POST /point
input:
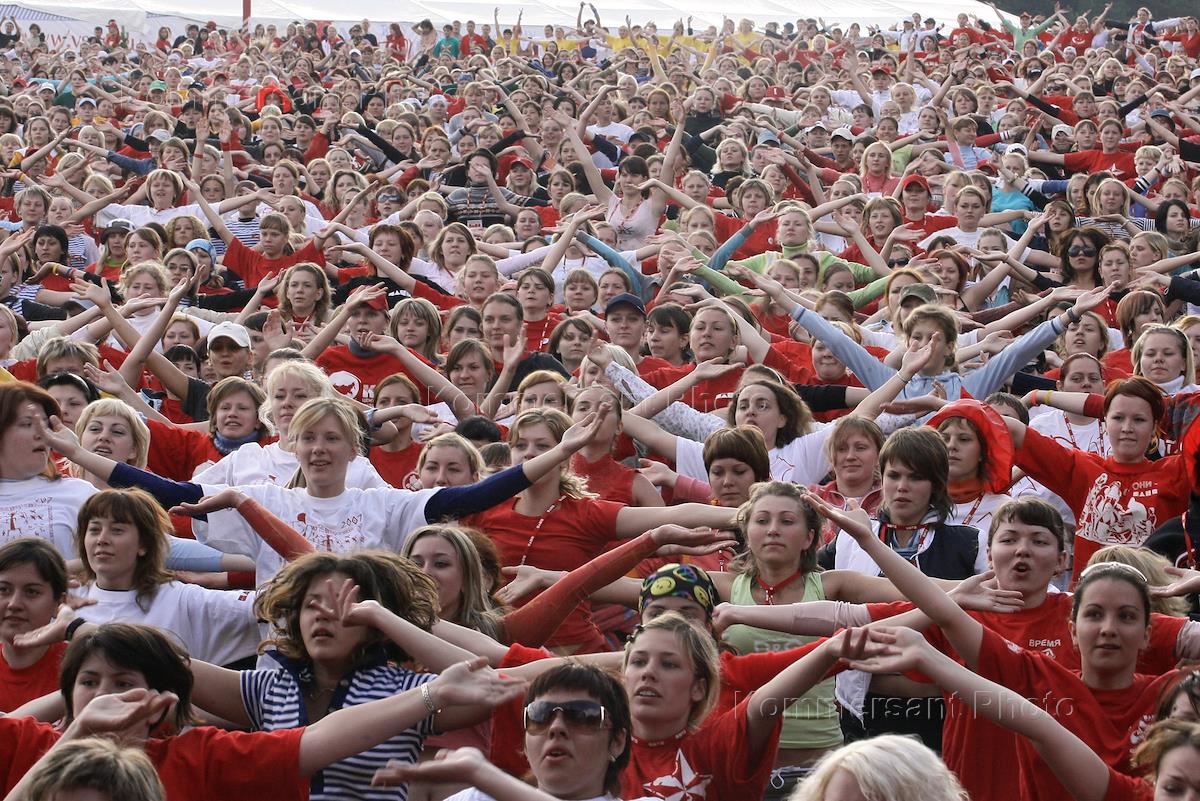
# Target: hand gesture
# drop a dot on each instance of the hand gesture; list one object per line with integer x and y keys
{"x": 109, "y": 714}
{"x": 657, "y": 473}
{"x": 474, "y": 684}
{"x": 1093, "y": 298}
{"x": 56, "y": 629}
{"x": 713, "y": 368}
{"x": 981, "y": 592}
{"x": 364, "y": 294}
{"x": 585, "y": 430}
{"x": 724, "y": 616}
{"x": 676, "y": 540}
{"x": 107, "y": 380}
{"x": 1187, "y": 583}
{"x": 892, "y": 650}
{"x": 525, "y": 581}
{"x": 449, "y": 766}
{"x": 228, "y": 498}
{"x": 58, "y": 436}
{"x": 346, "y": 608}
{"x": 855, "y": 523}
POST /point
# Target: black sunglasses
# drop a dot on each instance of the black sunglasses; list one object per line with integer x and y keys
{"x": 575, "y": 714}
{"x": 1081, "y": 251}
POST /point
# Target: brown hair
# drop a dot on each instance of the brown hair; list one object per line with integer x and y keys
{"x": 13, "y": 396}
{"x": 136, "y": 508}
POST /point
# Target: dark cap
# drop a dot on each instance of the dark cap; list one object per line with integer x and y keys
{"x": 625, "y": 297}
{"x": 923, "y": 292}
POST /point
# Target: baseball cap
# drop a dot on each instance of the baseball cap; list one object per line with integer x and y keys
{"x": 844, "y": 133}
{"x": 160, "y": 85}
{"x": 776, "y": 93}
{"x": 915, "y": 180}
{"x": 766, "y": 137}
{"x": 922, "y": 292}
{"x": 1161, "y": 112}
{"x": 884, "y": 68}
{"x": 625, "y": 297}
{"x": 1062, "y": 129}
{"x": 119, "y": 226}
{"x": 1195, "y": 74}
{"x": 87, "y": 101}
{"x": 814, "y": 127}
{"x": 524, "y": 161}
{"x": 1016, "y": 147}
{"x": 161, "y": 134}
{"x": 227, "y": 330}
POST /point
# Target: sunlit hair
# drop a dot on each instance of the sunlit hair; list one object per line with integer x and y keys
{"x": 557, "y": 422}
{"x": 698, "y": 647}
{"x": 111, "y": 407}
{"x": 746, "y": 561}
{"x": 228, "y": 387}
{"x": 1151, "y": 565}
{"x": 1161, "y": 739}
{"x": 97, "y": 764}
{"x": 1181, "y": 342}
{"x": 132, "y": 507}
{"x": 476, "y": 608}
{"x": 452, "y": 440}
{"x": 889, "y": 767}
{"x": 423, "y": 310}
{"x": 392, "y": 580}
{"x": 348, "y": 418}
{"x": 315, "y": 380}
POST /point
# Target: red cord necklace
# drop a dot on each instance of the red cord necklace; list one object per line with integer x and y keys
{"x": 770, "y": 590}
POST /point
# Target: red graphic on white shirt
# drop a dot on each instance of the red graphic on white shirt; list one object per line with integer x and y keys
{"x": 32, "y": 518}
{"x": 1104, "y": 518}
{"x": 338, "y": 538}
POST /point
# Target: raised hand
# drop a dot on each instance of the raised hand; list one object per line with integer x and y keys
{"x": 474, "y": 683}
{"x": 228, "y": 498}
{"x": 108, "y": 714}
{"x": 981, "y": 592}
{"x": 526, "y": 580}
{"x": 583, "y": 432}
{"x": 107, "y": 380}
{"x": 346, "y": 608}
{"x": 855, "y": 523}
{"x": 449, "y": 766}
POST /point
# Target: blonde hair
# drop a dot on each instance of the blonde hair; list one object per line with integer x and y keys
{"x": 558, "y": 422}
{"x": 95, "y": 763}
{"x": 1181, "y": 339}
{"x": 453, "y": 440}
{"x": 113, "y": 407}
{"x": 887, "y": 768}
{"x": 1153, "y": 566}
{"x": 701, "y": 651}
{"x": 348, "y": 418}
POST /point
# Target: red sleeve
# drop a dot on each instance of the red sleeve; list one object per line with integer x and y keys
{"x": 743, "y": 674}
{"x": 310, "y": 252}
{"x": 317, "y": 148}
{"x": 1127, "y": 788}
{"x": 600, "y": 518}
{"x": 442, "y": 301}
{"x": 1063, "y": 470}
{"x": 1160, "y": 657}
{"x": 1094, "y": 406}
{"x": 884, "y": 611}
{"x": 22, "y": 743}
{"x": 283, "y": 539}
{"x": 213, "y": 763}
{"x": 507, "y": 743}
{"x": 1077, "y": 162}
{"x": 168, "y": 451}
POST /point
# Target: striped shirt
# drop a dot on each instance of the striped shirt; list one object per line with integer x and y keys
{"x": 274, "y": 700}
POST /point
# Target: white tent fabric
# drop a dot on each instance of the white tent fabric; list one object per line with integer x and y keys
{"x": 142, "y": 18}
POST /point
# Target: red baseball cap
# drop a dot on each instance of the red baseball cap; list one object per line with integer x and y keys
{"x": 776, "y": 93}
{"x": 379, "y": 303}
{"x": 915, "y": 180}
{"x": 524, "y": 161}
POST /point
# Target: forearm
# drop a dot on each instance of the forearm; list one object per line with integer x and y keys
{"x": 352, "y": 730}
{"x": 496, "y": 488}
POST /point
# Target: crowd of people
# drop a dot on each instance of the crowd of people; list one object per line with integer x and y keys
{"x": 598, "y": 411}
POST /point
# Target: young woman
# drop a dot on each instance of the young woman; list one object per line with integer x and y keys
{"x": 131, "y": 682}
{"x": 608, "y": 479}
{"x": 122, "y": 543}
{"x": 33, "y": 583}
{"x": 1120, "y": 498}
{"x": 980, "y": 459}
{"x": 1109, "y": 701}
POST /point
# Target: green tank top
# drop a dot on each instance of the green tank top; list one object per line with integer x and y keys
{"x": 812, "y": 720}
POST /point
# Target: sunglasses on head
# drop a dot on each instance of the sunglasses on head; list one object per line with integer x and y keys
{"x": 576, "y": 714}
{"x": 1081, "y": 251}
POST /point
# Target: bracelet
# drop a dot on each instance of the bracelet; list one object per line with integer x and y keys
{"x": 1072, "y": 316}
{"x": 73, "y": 627}
{"x": 427, "y": 697}
{"x": 1046, "y": 397}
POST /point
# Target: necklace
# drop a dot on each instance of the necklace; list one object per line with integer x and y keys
{"x": 317, "y": 691}
{"x": 538, "y": 527}
{"x": 770, "y": 590}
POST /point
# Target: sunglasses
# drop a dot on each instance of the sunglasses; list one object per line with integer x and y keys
{"x": 1081, "y": 251}
{"x": 575, "y": 714}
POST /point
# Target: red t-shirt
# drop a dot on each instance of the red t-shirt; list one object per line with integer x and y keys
{"x": 21, "y": 685}
{"x": 252, "y": 266}
{"x": 1043, "y": 629}
{"x": 537, "y": 334}
{"x": 1120, "y": 164}
{"x": 1111, "y": 722}
{"x": 176, "y": 452}
{"x": 1080, "y": 40}
{"x": 714, "y": 762}
{"x": 396, "y": 467}
{"x": 568, "y": 536}
{"x": 932, "y": 223}
{"x": 1114, "y": 503}
{"x": 706, "y": 396}
{"x": 761, "y": 239}
{"x": 608, "y": 478}
{"x": 198, "y": 765}
{"x": 356, "y": 377}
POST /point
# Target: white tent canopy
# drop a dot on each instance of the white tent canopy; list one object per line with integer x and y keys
{"x": 142, "y": 18}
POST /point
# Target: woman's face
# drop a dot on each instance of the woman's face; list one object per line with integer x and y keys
{"x": 532, "y": 440}
{"x": 731, "y": 480}
{"x": 569, "y": 758}
{"x": 777, "y": 532}
{"x": 48, "y": 248}
{"x": 162, "y": 191}
{"x": 880, "y": 222}
{"x": 445, "y": 466}
{"x": 1177, "y": 221}
{"x": 611, "y": 285}
{"x": 878, "y": 160}
{"x": 464, "y": 327}
{"x": 1110, "y": 629}
{"x": 969, "y": 210}
{"x": 535, "y": 297}
{"x": 412, "y": 331}
{"x": 573, "y": 344}
{"x": 1114, "y": 268}
{"x": 112, "y": 548}
{"x": 1111, "y": 198}
{"x": 945, "y": 270}
{"x": 826, "y": 364}
{"x": 696, "y": 187}
{"x": 1025, "y": 557}
{"x": 579, "y": 295}
{"x": 500, "y": 322}
{"x": 438, "y": 559}
{"x": 325, "y": 451}
{"x": 548, "y": 393}
{"x": 71, "y": 402}
{"x": 667, "y": 341}
{"x": 23, "y": 449}
{"x": 303, "y": 292}
{"x": 1130, "y": 427}
{"x": 758, "y": 407}
{"x": 287, "y": 397}
{"x": 327, "y": 641}
{"x": 97, "y": 676}
{"x": 1179, "y": 768}
{"x": 138, "y": 250}
{"x": 660, "y": 679}
{"x": 455, "y": 248}
{"x": 855, "y": 461}
{"x": 712, "y": 335}
{"x": 1162, "y": 358}
{"x": 792, "y": 229}
{"x": 905, "y": 492}
{"x": 237, "y": 415}
{"x": 964, "y": 449}
{"x": 470, "y": 374}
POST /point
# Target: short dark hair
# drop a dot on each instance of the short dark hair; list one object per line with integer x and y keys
{"x": 1031, "y": 511}
{"x": 922, "y": 451}
{"x": 478, "y": 428}
{"x": 44, "y": 558}
{"x": 164, "y": 664}
{"x": 605, "y": 689}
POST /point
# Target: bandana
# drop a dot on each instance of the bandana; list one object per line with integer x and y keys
{"x": 679, "y": 581}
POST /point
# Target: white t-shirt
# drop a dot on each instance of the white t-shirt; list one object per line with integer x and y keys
{"x": 41, "y": 507}
{"x": 217, "y": 626}
{"x": 978, "y": 515}
{"x": 254, "y": 464}
{"x": 354, "y": 520}
{"x": 801, "y": 461}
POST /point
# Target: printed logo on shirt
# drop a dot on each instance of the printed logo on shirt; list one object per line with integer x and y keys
{"x": 346, "y": 383}
{"x": 1105, "y": 519}
{"x": 30, "y": 518}
{"x": 683, "y": 784}
{"x": 339, "y": 538}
